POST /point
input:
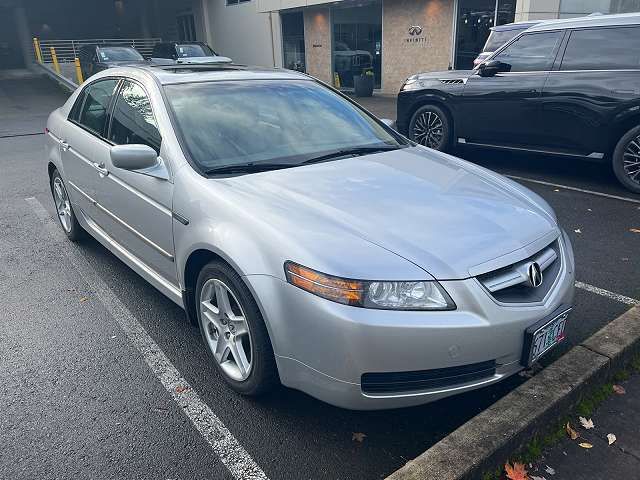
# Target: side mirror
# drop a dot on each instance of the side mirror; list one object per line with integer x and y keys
{"x": 133, "y": 157}
{"x": 389, "y": 123}
{"x": 490, "y": 68}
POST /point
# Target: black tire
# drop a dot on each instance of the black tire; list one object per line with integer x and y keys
{"x": 263, "y": 375}
{"x": 440, "y": 128}
{"x": 72, "y": 229}
{"x": 628, "y": 148}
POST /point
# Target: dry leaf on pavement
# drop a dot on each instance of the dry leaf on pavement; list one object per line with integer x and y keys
{"x": 634, "y": 230}
{"x": 577, "y": 230}
{"x": 181, "y": 388}
{"x": 516, "y": 471}
{"x": 549, "y": 470}
{"x": 83, "y": 299}
{"x": 534, "y": 477}
{"x": 586, "y": 423}
{"x": 571, "y": 432}
{"x": 619, "y": 389}
{"x": 585, "y": 445}
{"x": 358, "y": 437}
{"x": 611, "y": 438}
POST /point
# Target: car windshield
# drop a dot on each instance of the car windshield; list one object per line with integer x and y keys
{"x": 108, "y": 54}
{"x": 498, "y": 38}
{"x": 293, "y": 121}
{"x": 194, "y": 50}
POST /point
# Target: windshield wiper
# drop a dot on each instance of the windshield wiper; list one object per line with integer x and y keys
{"x": 251, "y": 167}
{"x": 355, "y": 151}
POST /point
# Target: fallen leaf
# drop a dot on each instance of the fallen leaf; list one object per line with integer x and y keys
{"x": 181, "y": 388}
{"x": 585, "y": 445}
{"x": 534, "y": 477}
{"x": 634, "y": 230}
{"x": 619, "y": 389}
{"x": 589, "y": 210}
{"x": 549, "y": 470}
{"x": 83, "y": 299}
{"x": 516, "y": 471}
{"x": 358, "y": 437}
{"x": 571, "y": 432}
{"x": 586, "y": 423}
{"x": 611, "y": 438}
{"x": 577, "y": 230}
{"x": 556, "y": 189}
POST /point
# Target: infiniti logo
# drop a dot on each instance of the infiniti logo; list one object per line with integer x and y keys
{"x": 535, "y": 274}
{"x": 415, "y": 30}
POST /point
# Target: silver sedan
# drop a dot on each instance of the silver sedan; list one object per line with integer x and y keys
{"x": 313, "y": 246}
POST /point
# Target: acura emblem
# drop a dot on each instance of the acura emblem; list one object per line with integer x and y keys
{"x": 535, "y": 274}
{"x": 415, "y": 30}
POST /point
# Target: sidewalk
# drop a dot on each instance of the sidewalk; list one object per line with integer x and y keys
{"x": 382, "y": 106}
{"x": 619, "y": 415}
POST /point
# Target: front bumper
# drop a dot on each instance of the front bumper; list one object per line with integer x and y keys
{"x": 323, "y": 348}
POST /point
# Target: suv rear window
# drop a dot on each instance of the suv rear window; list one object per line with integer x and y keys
{"x": 531, "y": 52}
{"x": 603, "y": 49}
{"x": 497, "y": 38}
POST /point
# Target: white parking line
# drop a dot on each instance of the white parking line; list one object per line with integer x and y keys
{"x": 606, "y": 293}
{"x": 575, "y": 189}
{"x": 223, "y": 443}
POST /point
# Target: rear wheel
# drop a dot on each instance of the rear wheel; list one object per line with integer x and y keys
{"x": 66, "y": 215}
{"x": 234, "y": 331}
{"x": 626, "y": 160}
{"x": 430, "y": 126}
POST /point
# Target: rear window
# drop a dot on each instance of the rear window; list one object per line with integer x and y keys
{"x": 603, "y": 49}
{"x": 194, "y": 50}
{"x": 498, "y": 38}
{"x": 118, "y": 54}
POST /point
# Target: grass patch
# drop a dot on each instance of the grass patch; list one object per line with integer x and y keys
{"x": 587, "y": 405}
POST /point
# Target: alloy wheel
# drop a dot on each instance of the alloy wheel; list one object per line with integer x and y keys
{"x": 226, "y": 329}
{"x": 631, "y": 160}
{"x": 63, "y": 207}
{"x": 428, "y": 130}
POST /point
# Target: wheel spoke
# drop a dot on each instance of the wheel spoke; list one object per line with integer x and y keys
{"x": 237, "y": 350}
{"x": 222, "y": 299}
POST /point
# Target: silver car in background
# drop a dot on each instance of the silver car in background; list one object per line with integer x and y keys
{"x": 313, "y": 245}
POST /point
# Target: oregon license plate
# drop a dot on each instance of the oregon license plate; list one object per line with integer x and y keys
{"x": 543, "y": 336}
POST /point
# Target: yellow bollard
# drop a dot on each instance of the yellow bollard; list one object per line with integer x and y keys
{"x": 78, "y": 71}
{"x": 54, "y": 59}
{"x": 36, "y": 48}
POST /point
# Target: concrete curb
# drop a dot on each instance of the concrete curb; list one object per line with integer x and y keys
{"x": 487, "y": 440}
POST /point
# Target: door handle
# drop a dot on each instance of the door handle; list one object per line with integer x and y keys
{"x": 64, "y": 146}
{"x": 101, "y": 169}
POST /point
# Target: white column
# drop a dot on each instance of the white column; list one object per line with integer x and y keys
{"x": 24, "y": 35}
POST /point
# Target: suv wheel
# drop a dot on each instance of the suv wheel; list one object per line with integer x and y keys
{"x": 430, "y": 127}
{"x": 233, "y": 330}
{"x": 626, "y": 160}
{"x": 66, "y": 215}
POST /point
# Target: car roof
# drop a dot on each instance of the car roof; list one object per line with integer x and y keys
{"x": 593, "y": 20}
{"x": 190, "y": 73}
{"x": 515, "y": 26}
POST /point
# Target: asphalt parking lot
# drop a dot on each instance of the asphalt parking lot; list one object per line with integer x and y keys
{"x": 81, "y": 399}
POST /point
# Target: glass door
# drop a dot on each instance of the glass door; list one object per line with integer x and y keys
{"x": 293, "y": 41}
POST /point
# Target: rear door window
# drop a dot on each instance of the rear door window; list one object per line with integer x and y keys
{"x": 531, "y": 52}
{"x": 612, "y": 48}
{"x": 92, "y": 115}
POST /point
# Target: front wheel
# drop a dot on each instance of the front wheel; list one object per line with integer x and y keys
{"x": 626, "y": 160}
{"x": 430, "y": 126}
{"x": 234, "y": 331}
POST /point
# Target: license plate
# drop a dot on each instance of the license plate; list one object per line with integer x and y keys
{"x": 543, "y": 336}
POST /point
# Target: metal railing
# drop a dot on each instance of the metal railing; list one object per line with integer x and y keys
{"x": 67, "y": 50}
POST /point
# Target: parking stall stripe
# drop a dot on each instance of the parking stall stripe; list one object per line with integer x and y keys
{"x": 222, "y": 442}
{"x": 606, "y": 293}
{"x": 575, "y": 189}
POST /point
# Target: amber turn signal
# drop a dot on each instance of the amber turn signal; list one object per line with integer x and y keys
{"x": 348, "y": 292}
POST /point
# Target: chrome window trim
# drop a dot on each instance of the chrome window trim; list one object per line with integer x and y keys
{"x": 113, "y": 216}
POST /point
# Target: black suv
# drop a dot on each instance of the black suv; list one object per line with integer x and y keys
{"x": 95, "y": 58}
{"x": 567, "y": 87}
{"x": 166, "y": 53}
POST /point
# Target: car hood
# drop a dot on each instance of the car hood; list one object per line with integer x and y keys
{"x": 440, "y": 213}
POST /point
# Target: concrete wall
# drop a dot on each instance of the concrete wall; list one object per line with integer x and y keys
{"x": 317, "y": 43}
{"x": 244, "y": 34}
{"x": 537, "y": 10}
{"x": 404, "y": 54}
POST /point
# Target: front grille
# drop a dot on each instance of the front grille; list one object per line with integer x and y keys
{"x": 511, "y": 283}
{"x": 396, "y": 382}
{"x": 451, "y": 81}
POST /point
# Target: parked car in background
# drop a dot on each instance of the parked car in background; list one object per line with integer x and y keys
{"x": 312, "y": 244}
{"x": 95, "y": 58}
{"x": 564, "y": 87}
{"x": 169, "y": 53}
{"x": 500, "y": 35}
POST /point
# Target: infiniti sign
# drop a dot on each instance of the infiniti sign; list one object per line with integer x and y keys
{"x": 415, "y": 30}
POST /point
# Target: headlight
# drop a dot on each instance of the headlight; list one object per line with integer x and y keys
{"x": 411, "y": 83}
{"x": 414, "y": 295}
